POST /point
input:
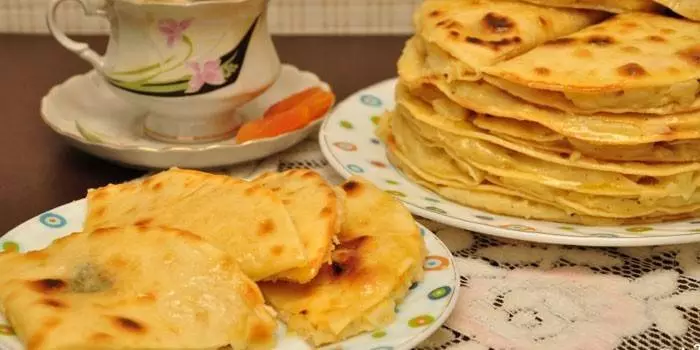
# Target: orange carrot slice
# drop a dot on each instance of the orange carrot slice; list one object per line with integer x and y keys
{"x": 293, "y": 100}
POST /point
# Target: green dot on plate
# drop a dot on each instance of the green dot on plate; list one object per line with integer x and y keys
{"x": 346, "y": 124}
{"x": 421, "y": 321}
{"x": 10, "y": 247}
{"x": 379, "y": 334}
{"x": 396, "y": 193}
{"x": 375, "y": 119}
{"x": 639, "y": 229}
{"x": 392, "y": 182}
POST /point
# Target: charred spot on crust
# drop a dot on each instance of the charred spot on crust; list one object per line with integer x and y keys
{"x": 560, "y": 42}
{"x": 266, "y": 227}
{"x": 435, "y": 13}
{"x": 494, "y": 44}
{"x": 542, "y": 71}
{"x": 345, "y": 258}
{"x": 129, "y": 325}
{"x": 647, "y": 180}
{"x": 454, "y": 34}
{"x": 277, "y": 250}
{"x": 54, "y": 303}
{"x": 497, "y": 23}
{"x": 304, "y": 312}
{"x": 600, "y": 40}
{"x": 144, "y": 222}
{"x": 691, "y": 55}
{"x": 49, "y": 285}
{"x": 656, "y": 38}
{"x": 631, "y": 70}
{"x": 352, "y": 187}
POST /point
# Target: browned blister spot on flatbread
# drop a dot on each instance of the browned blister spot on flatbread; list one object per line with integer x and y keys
{"x": 454, "y": 34}
{"x": 100, "y": 337}
{"x": 326, "y": 211}
{"x": 259, "y": 332}
{"x": 435, "y": 13}
{"x": 691, "y": 55}
{"x": 48, "y": 285}
{"x": 561, "y": 42}
{"x": 352, "y": 188}
{"x": 252, "y": 190}
{"x": 631, "y": 49}
{"x": 266, "y": 227}
{"x": 188, "y": 235}
{"x": 600, "y": 40}
{"x": 144, "y": 222}
{"x": 497, "y": 23}
{"x": 668, "y": 31}
{"x": 99, "y": 211}
{"x": 629, "y": 24}
{"x": 542, "y": 71}
{"x": 543, "y": 21}
{"x": 36, "y": 255}
{"x": 495, "y": 45}
{"x": 277, "y": 250}
{"x": 631, "y": 70}
{"x": 128, "y": 324}
{"x": 673, "y": 70}
{"x": 99, "y": 195}
{"x": 656, "y": 38}
{"x": 583, "y": 53}
{"x": 54, "y": 303}
{"x": 158, "y": 186}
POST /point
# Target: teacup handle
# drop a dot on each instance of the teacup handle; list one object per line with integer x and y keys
{"x": 80, "y": 49}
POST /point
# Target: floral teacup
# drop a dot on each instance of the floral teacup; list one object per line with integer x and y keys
{"x": 189, "y": 64}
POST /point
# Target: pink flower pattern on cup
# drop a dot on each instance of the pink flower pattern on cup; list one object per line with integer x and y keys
{"x": 207, "y": 72}
{"x": 173, "y": 29}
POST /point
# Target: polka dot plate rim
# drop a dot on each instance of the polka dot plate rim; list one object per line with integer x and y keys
{"x": 350, "y": 146}
{"x": 426, "y": 307}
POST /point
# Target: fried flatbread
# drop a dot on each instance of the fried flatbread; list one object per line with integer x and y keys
{"x": 135, "y": 287}
{"x": 246, "y": 220}
{"x": 473, "y": 34}
{"x": 616, "y": 6}
{"x": 316, "y": 210}
{"x": 634, "y": 62}
{"x": 381, "y": 253}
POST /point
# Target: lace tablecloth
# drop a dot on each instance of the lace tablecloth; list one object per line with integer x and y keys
{"x": 520, "y": 295}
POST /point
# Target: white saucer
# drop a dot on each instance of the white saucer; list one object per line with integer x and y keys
{"x": 93, "y": 119}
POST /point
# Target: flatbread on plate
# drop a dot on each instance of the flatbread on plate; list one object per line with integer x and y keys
{"x": 474, "y": 34}
{"x": 134, "y": 287}
{"x": 246, "y": 220}
{"x": 316, "y": 209}
{"x": 380, "y": 255}
{"x": 633, "y": 62}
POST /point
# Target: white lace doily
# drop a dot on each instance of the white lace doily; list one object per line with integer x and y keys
{"x": 519, "y": 295}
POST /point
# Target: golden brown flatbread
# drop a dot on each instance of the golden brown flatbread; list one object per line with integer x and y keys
{"x": 244, "y": 219}
{"x": 381, "y": 253}
{"x": 135, "y": 287}
{"x": 316, "y": 210}
{"x": 687, "y": 8}
{"x": 473, "y": 34}
{"x": 634, "y": 62}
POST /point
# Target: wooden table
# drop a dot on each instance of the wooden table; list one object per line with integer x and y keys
{"x": 39, "y": 171}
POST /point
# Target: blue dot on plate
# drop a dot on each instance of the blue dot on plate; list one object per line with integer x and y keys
{"x": 422, "y": 231}
{"x": 355, "y": 168}
{"x": 52, "y": 220}
{"x": 413, "y": 286}
{"x": 371, "y": 100}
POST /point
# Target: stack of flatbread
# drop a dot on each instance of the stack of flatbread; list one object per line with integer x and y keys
{"x": 581, "y": 112}
{"x": 171, "y": 262}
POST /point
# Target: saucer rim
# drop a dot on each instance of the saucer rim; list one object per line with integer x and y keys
{"x": 181, "y": 148}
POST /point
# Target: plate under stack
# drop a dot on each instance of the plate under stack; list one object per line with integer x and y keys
{"x": 585, "y": 116}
